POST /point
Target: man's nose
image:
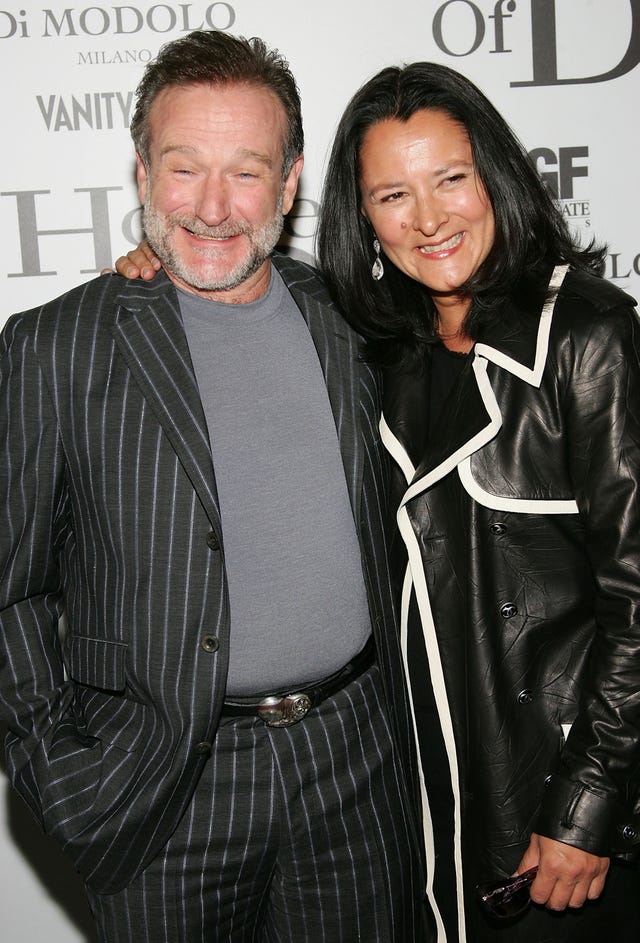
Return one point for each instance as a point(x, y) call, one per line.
point(213, 205)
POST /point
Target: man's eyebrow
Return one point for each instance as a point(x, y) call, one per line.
point(241, 153)
point(179, 148)
point(256, 155)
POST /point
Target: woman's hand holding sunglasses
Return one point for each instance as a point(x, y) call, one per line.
point(550, 873)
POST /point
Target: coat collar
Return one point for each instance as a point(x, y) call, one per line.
point(522, 349)
point(472, 416)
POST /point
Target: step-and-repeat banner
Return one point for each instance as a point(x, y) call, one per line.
point(563, 72)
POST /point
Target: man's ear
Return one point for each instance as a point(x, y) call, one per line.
point(291, 184)
point(141, 178)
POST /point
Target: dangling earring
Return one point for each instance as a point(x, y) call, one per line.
point(377, 269)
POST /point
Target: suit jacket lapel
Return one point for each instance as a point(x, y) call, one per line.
point(151, 338)
point(338, 352)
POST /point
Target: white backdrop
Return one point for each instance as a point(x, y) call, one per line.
point(564, 73)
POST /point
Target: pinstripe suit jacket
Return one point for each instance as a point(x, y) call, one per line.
point(109, 514)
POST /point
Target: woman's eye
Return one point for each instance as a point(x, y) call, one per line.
point(392, 197)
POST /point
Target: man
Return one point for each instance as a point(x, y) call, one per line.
point(194, 478)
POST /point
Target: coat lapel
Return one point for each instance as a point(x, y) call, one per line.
point(150, 337)
point(465, 423)
point(468, 420)
point(471, 417)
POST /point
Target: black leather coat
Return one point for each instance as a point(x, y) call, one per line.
point(520, 519)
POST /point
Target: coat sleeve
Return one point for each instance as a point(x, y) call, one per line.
point(33, 691)
point(591, 801)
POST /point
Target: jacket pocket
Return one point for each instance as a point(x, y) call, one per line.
point(98, 663)
point(113, 720)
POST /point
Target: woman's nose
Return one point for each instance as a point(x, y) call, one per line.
point(428, 216)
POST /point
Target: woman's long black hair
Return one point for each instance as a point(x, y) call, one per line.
point(396, 314)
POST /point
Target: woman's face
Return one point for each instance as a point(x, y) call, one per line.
point(426, 203)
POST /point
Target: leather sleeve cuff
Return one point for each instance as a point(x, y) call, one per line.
point(575, 815)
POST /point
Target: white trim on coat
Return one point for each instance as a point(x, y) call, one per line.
point(427, 820)
point(496, 502)
point(483, 353)
point(415, 577)
point(472, 445)
point(533, 375)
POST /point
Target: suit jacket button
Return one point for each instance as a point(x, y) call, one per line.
point(628, 833)
point(204, 748)
point(498, 529)
point(525, 697)
point(210, 643)
point(508, 610)
point(212, 541)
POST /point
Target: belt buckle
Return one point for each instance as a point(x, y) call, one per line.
point(284, 711)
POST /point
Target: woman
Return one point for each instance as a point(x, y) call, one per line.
point(512, 415)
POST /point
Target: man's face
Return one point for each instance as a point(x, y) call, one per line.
point(213, 192)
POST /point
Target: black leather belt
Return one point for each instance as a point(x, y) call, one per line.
point(284, 709)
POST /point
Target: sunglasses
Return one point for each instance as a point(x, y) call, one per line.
point(506, 897)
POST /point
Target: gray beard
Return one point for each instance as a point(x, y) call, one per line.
point(158, 228)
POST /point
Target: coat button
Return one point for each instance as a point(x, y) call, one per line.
point(212, 541)
point(628, 833)
point(525, 697)
point(548, 780)
point(204, 748)
point(498, 529)
point(508, 610)
point(210, 643)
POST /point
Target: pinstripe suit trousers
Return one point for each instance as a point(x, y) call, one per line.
point(294, 835)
